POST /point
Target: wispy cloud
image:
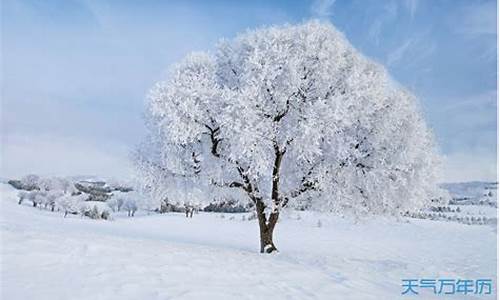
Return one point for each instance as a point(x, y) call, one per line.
point(397, 54)
point(479, 164)
point(376, 30)
point(476, 20)
point(70, 71)
point(468, 125)
point(322, 8)
point(487, 99)
point(412, 6)
point(388, 14)
point(418, 48)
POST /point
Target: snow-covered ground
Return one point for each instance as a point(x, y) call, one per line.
point(46, 256)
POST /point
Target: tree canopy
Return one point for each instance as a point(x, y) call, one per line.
point(291, 115)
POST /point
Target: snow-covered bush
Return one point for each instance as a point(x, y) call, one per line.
point(105, 215)
point(94, 209)
point(115, 203)
point(70, 204)
point(118, 185)
point(130, 205)
point(51, 198)
point(27, 183)
point(40, 199)
point(285, 116)
point(60, 184)
point(166, 207)
point(23, 195)
point(94, 190)
point(129, 201)
point(35, 196)
point(228, 206)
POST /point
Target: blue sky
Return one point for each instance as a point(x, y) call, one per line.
point(75, 73)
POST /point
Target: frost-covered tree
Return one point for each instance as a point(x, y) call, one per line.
point(289, 115)
point(30, 182)
point(57, 184)
point(130, 205)
point(35, 196)
point(115, 203)
point(129, 201)
point(69, 203)
point(51, 198)
point(159, 183)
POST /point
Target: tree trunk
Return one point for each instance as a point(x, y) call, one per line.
point(266, 228)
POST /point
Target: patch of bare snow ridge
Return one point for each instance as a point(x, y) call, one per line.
point(46, 256)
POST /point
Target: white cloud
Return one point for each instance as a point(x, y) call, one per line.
point(397, 54)
point(488, 98)
point(471, 166)
point(470, 121)
point(322, 8)
point(476, 20)
point(411, 5)
point(62, 156)
point(388, 14)
point(417, 48)
point(468, 125)
point(376, 30)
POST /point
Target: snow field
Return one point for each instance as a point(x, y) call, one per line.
point(46, 256)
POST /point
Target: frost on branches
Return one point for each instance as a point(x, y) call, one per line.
point(285, 116)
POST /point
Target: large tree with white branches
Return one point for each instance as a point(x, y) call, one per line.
point(289, 115)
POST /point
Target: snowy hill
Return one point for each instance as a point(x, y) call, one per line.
point(472, 192)
point(214, 256)
point(471, 203)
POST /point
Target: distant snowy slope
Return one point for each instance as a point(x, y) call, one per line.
point(473, 193)
point(473, 189)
